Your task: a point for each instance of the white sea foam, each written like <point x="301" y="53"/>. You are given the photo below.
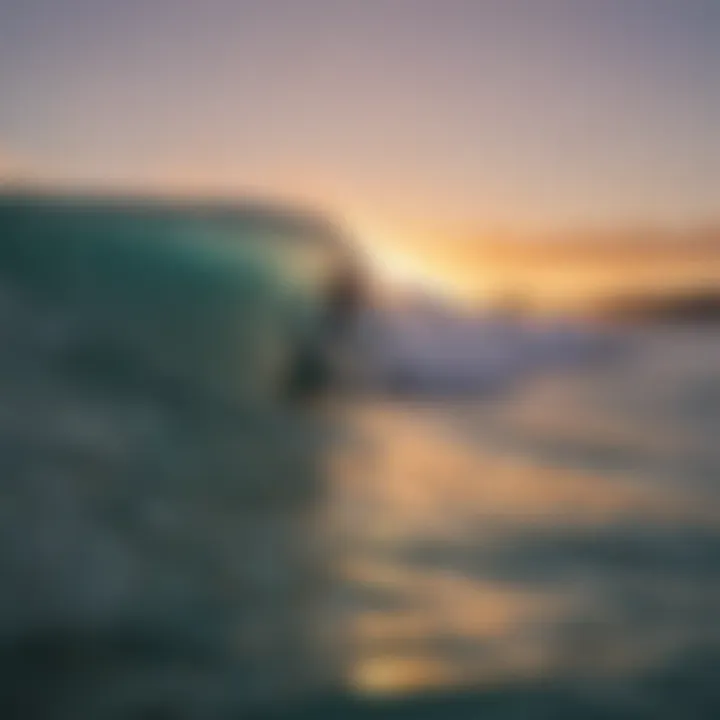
<point x="420" y="353"/>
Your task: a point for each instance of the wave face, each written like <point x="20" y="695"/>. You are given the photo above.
<point x="211" y="296"/>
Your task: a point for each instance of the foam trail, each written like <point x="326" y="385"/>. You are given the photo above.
<point x="420" y="354"/>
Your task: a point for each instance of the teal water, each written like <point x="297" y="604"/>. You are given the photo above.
<point x="158" y="495"/>
<point x="212" y="296"/>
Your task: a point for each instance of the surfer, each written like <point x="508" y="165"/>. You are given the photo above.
<point x="326" y="360"/>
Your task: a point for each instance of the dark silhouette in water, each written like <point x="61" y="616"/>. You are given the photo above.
<point x="315" y="368"/>
<point x="346" y="295"/>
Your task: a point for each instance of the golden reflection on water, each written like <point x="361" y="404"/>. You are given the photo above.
<point x="470" y="562"/>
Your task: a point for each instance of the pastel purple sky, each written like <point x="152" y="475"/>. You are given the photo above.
<point x="423" y="118"/>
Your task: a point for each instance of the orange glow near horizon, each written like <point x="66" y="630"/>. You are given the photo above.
<point x="547" y="274"/>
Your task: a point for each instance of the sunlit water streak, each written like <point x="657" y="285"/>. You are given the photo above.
<point x="566" y="531"/>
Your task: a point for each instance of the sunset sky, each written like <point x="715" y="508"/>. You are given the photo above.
<point x="430" y="124"/>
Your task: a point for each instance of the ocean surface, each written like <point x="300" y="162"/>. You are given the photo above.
<point x="563" y="532"/>
<point x="487" y="519"/>
<point x="500" y="520"/>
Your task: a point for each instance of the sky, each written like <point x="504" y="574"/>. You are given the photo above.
<point x="427" y="122"/>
